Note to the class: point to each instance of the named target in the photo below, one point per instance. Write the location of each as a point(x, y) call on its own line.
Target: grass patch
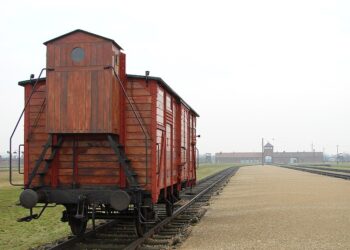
point(205, 170)
point(23, 235)
point(4, 178)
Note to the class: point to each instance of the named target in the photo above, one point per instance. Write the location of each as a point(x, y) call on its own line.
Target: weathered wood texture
point(175, 141)
point(83, 96)
point(135, 138)
point(35, 135)
point(87, 160)
point(91, 161)
point(187, 163)
point(94, 160)
point(166, 157)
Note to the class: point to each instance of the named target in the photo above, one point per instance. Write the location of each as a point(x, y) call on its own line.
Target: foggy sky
point(251, 69)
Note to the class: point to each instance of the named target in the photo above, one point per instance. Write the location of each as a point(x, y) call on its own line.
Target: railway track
point(337, 173)
point(327, 169)
point(167, 232)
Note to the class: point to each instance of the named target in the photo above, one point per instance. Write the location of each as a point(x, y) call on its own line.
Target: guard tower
point(268, 153)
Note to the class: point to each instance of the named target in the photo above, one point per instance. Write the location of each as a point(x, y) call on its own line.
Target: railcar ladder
point(124, 161)
point(48, 161)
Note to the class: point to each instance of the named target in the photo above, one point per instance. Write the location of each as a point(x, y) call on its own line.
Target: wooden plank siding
point(187, 149)
point(135, 147)
point(83, 96)
point(94, 160)
point(35, 135)
point(167, 164)
point(79, 103)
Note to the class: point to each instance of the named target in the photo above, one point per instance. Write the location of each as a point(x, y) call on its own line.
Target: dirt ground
point(275, 208)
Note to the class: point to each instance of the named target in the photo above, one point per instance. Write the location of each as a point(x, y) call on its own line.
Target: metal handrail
point(19, 158)
point(14, 130)
point(136, 115)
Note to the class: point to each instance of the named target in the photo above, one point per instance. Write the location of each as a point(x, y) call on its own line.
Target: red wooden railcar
point(100, 142)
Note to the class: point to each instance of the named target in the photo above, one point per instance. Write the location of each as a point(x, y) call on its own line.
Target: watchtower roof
point(268, 145)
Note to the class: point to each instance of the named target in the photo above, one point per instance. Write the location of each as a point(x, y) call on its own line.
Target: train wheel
point(140, 228)
point(141, 220)
point(77, 226)
point(169, 206)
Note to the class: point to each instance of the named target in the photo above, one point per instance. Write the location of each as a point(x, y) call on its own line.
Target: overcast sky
point(251, 69)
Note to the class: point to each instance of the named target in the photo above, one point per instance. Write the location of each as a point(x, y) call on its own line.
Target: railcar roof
point(32, 81)
point(158, 79)
point(86, 32)
point(166, 86)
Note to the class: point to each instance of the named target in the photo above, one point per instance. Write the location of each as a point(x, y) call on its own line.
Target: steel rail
point(152, 231)
point(76, 239)
point(325, 169)
point(330, 174)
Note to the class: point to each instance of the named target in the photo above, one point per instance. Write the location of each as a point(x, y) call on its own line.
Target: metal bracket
point(32, 216)
point(81, 202)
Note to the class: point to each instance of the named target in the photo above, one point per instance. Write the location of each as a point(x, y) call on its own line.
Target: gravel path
point(276, 208)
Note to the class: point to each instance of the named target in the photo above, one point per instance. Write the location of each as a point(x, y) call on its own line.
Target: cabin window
point(77, 54)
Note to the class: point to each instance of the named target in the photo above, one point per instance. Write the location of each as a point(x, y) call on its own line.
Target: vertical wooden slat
point(48, 102)
point(50, 56)
point(94, 100)
point(63, 101)
point(107, 100)
point(63, 55)
point(93, 55)
point(88, 94)
point(101, 100)
point(70, 101)
point(57, 100)
point(57, 56)
point(99, 54)
point(80, 102)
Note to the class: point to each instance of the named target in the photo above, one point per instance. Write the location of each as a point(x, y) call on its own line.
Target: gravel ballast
point(275, 208)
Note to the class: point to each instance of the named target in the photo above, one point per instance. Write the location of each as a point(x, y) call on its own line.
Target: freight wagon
point(100, 142)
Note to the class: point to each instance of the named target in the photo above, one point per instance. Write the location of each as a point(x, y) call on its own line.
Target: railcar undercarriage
point(104, 203)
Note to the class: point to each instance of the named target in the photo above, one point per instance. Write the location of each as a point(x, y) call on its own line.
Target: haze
point(251, 69)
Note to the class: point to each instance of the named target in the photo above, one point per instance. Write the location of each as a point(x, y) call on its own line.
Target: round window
point(77, 54)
